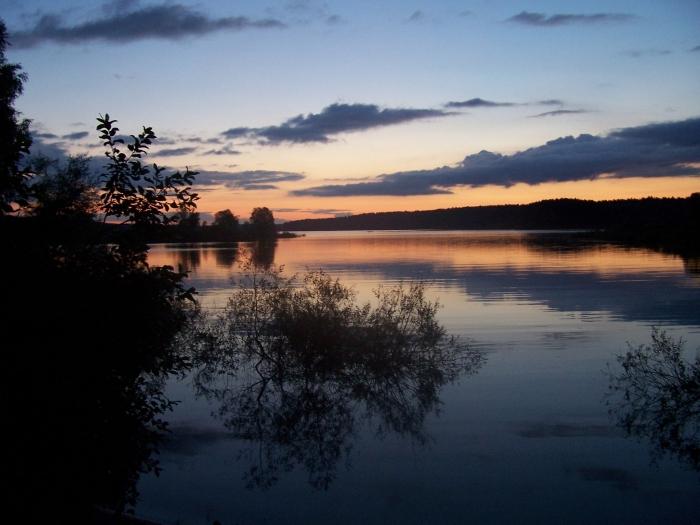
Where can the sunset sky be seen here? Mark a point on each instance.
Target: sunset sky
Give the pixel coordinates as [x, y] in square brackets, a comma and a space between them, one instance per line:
[317, 109]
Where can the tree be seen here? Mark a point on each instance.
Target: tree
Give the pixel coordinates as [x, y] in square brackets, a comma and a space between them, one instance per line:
[90, 338]
[263, 223]
[15, 139]
[225, 225]
[64, 190]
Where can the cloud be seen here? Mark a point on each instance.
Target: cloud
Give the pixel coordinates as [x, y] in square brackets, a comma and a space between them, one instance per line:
[542, 20]
[416, 16]
[235, 133]
[174, 152]
[695, 49]
[76, 135]
[163, 21]
[478, 103]
[637, 53]
[559, 112]
[247, 180]
[653, 150]
[333, 120]
[481, 103]
[334, 20]
[316, 211]
[225, 150]
[45, 135]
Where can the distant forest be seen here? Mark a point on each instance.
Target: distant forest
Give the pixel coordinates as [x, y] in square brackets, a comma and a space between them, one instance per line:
[628, 214]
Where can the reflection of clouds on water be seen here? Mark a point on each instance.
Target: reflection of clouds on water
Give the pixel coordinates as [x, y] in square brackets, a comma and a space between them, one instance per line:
[647, 297]
[564, 430]
[188, 440]
[617, 478]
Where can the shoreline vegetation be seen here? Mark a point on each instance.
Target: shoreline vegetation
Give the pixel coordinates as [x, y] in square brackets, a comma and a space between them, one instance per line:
[666, 224]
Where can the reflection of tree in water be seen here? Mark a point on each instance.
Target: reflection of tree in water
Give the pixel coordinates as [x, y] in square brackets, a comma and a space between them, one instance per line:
[656, 396]
[296, 368]
[188, 257]
[262, 253]
[226, 255]
[692, 266]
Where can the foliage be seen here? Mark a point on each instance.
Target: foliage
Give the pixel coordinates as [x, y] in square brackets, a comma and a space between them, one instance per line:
[14, 134]
[226, 222]
[93, 327]
[140, 194]
[656, 395]
[297, 365]
[64, 190]
[263, 223]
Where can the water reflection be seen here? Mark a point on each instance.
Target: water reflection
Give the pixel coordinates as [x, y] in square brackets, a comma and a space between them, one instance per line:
[296, 370]
[262, 253]
[656, 396]
[557, 271]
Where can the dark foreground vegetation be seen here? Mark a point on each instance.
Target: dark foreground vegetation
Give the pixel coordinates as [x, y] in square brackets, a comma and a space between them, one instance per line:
[655, 221]
[92, 332]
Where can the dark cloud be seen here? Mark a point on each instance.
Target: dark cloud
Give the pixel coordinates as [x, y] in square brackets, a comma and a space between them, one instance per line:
[416, 16]
[638, 53]
[696, 48]
[247, 180]
[559, 112]
[550, 102]
[542, 20]
[333, 120]
[235, 133]
[316, 211]
[76, 136]
[225, 150]
[481, 103]
[45, 135]
[174, 152]
[663, 149]
[306, 12]
[334, 20]
[478, 103]
[164, 21]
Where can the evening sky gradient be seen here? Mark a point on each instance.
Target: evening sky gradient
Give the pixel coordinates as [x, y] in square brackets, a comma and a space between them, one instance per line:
[323, 108]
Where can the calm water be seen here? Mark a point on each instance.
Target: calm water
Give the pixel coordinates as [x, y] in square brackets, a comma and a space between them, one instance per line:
[525, 438]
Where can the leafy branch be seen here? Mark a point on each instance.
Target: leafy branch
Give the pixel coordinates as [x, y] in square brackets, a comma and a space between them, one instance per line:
[135, 192]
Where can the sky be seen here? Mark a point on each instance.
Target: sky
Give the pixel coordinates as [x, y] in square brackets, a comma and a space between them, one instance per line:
[322, 109]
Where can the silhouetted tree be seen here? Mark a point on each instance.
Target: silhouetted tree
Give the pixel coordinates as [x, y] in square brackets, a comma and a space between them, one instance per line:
[137, 193]
[15, 139]
[263, 223]
[90, 335]
[226, 224]
[67, 190]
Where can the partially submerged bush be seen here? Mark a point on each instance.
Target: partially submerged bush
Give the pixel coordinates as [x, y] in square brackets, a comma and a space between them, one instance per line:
[295, 364]
[656, 395]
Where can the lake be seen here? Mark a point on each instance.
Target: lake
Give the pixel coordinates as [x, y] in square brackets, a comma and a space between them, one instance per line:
[527, 436]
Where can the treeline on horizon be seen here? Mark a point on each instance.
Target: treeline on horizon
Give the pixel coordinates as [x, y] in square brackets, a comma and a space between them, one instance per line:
[185, 227]
[623, 215]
